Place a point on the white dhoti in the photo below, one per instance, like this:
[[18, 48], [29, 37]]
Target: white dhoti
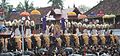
[[17, 32], [28, 32]]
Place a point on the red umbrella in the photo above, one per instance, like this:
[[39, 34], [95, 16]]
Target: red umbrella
[[82, 16], [100, 13], [24, 14]]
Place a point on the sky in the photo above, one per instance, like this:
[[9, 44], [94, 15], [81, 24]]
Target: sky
[[70, 3]]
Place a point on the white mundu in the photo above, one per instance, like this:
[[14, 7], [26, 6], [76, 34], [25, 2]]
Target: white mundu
[[28, 32], [47, 30], [17, 32], [88, 31], [94, 31]]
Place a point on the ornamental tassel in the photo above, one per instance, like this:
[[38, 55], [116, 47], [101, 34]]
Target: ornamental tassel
[[67, 38], [37, 38], [94, 38], [59, 41], [103, 39], [18, 41], [47, 41], [76, 40], [85, 37], [28, 40], [112, 38]]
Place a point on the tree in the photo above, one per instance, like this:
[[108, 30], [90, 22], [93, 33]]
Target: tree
[[25, 6], [6, 7], [56, 3], [4, 4], [83, 8]]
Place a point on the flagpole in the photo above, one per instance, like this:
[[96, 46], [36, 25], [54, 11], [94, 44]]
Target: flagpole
[[22, 38]]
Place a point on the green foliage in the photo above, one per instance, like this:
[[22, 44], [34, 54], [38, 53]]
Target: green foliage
[[56, 3], [83, 8], [25, 6], [6, 7]]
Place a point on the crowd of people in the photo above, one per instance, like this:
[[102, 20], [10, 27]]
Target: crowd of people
[[82, 38]]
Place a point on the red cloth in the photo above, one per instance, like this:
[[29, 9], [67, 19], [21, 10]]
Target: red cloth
[[85, 51]]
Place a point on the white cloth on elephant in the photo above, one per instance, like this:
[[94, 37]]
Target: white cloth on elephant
[[28, 32], [17, 32]]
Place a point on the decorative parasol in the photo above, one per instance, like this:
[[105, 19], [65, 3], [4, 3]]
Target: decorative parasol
[[100, 13], [81, 16], [109, 16], [24, 13], [71, 14], [112, 16], [106, 16], [35, 12]]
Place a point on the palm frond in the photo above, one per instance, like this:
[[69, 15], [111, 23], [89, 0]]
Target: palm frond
[[50, 1], [56, 3], [3, 1], [25, 6]]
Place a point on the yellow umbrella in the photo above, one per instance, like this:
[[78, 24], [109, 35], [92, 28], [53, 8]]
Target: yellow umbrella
[[106, 16], [71, 14], [112, 16], [109, 16], [35, 12]]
